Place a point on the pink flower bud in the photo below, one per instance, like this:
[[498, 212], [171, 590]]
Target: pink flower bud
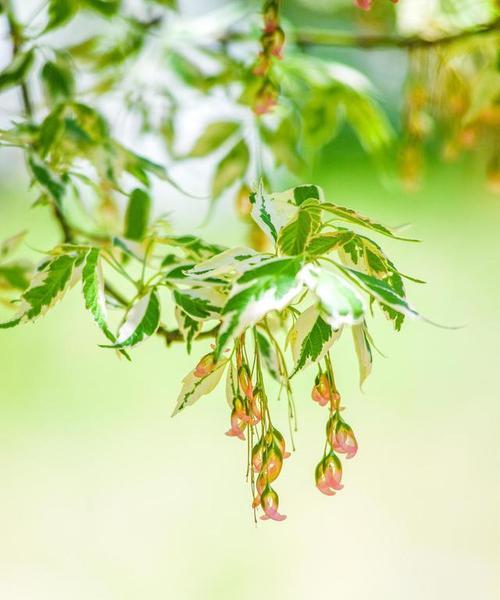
[[257, 456], [364, 4], [237, 425], [272, 462], [280, 440], [341, 437], [322, 392], [245, 382], [329, 475], [265, 99], [269, 503], [205, 366]]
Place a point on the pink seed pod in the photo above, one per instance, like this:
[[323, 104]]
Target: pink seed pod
[[269, 503]]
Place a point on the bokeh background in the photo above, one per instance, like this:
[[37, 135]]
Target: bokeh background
[[105, 497]]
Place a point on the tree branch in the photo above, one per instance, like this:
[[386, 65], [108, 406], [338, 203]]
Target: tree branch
[[315, 37]]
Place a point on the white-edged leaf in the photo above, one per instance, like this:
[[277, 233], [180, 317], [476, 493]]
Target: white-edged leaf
[[311, 337], [194, 387], [268, 353], [381, 291], [273, 211], [141, 322], [294, 237], [93, 291], [190, 328], [47, 287], [339, 302], [200, 303], [363, 351], [230, 262], [266, 287]]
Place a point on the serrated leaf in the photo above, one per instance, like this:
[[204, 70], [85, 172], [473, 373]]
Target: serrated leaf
[[142, 321], [325, 243], [310, 338], [14, 275], [214, 135], [50, 183], [47, 287], [270, 286], [363, 351], [339, 301], [194, 387], [351, 216], [227, 263], [381, 291], [200, 303], [231, 168], [190, 328], [137, 215], [294, 237], [93, 291], [17, 71], [193, 247], [273, 211]]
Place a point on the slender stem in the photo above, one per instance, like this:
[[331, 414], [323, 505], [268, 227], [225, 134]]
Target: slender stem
[[315, 37], [16, 37]]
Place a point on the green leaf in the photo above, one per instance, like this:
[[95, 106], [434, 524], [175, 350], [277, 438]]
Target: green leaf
[[17, 71], [60, 12], [273, 211], [47, 287], [50, 183], [137, 216], [194, 247], [93, 291], [310, 338], [231, 168], [363, 351], [227, 263], [339, 302], [201, 303], [213, 137], [351, 216], [189, 327], [58, 81], [381, 291], [195, 387], [323, 244], [107, 8], [142, 321], [10, 245], [269, 286], [294, 237], [15, 275]]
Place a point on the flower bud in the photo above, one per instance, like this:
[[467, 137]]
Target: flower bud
[[237, 425], [257, 456], [322, 392], [205, 366], [280, 440], [272, 462], [269, 502], [341, 437], [245, 382], [329, 475], [265, 99]]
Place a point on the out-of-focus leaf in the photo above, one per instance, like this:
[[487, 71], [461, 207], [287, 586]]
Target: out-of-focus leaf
[[212, 138], [17, 71], [231, 168], [137, 216], [58, 80]]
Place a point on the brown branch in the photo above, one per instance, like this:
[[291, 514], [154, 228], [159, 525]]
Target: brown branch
[[315, 37]]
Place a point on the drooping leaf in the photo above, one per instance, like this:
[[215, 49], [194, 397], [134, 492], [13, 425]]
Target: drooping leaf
[[194, 247], [189, 327], [266, 287], [137, 215], [351, 216], [50, 183], [195, 387], [310, 338], [213, 137], [363, 351], [268, 353], [339, 301], [142, 321], [47, 287], [227, 263], [93, 291], [231, 168], [381, 291], [17, 71]]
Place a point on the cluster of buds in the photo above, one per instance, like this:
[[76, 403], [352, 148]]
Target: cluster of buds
[[367, 4], [266, 445], [272, 42], [339, 435]]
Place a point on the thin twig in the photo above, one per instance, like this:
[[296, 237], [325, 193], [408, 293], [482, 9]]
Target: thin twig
[[316, 37]]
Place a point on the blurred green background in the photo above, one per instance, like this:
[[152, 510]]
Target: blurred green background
[[105, 497]]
